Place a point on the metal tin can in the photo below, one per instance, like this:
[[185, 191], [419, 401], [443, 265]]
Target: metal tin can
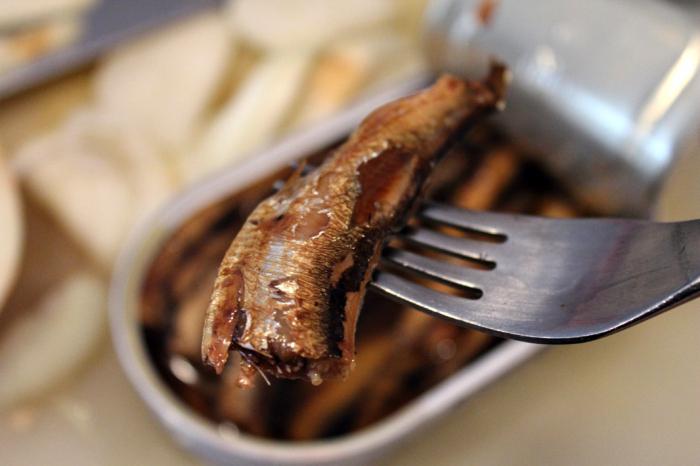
[[606, 90], [222, 444]]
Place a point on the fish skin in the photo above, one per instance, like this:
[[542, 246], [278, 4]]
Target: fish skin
[[290, 286]]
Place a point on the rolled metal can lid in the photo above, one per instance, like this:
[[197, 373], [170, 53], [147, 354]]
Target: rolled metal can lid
[[600, 90]]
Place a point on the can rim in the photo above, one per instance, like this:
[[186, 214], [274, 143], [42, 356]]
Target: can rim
[[223, 445]]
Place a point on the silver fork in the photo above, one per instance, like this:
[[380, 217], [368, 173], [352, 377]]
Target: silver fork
[[547, 280]]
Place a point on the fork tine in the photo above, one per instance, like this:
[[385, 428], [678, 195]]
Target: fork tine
[[450, 273], [475, 250], [443, 305], [482, 222]]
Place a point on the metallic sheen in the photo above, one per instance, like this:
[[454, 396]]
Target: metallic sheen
[[605, 91], [554, 281]]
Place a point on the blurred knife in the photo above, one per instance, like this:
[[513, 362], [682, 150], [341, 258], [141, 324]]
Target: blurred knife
[[109, 23]]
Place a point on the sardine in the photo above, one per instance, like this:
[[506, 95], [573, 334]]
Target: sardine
[[290, 287]]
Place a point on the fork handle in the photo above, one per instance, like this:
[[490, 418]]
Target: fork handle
[[689, 255]]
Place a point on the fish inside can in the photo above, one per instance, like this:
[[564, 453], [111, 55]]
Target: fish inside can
[[401, 353]]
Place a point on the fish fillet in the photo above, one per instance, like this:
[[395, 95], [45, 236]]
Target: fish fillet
[[290, 287]]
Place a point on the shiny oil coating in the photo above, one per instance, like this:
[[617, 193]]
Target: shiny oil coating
[[291, 284]]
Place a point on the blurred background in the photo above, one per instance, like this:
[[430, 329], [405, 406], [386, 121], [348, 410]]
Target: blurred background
[[110, 125]]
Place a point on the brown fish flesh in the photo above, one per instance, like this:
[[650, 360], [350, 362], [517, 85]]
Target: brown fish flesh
[[290, 287]]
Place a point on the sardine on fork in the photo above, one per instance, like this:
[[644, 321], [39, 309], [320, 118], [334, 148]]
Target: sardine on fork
[[291, 284]]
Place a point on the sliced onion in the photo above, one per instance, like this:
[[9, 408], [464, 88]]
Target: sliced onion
[[97, 175], [47, 343], [11, 231], [254, 113], [285, 24], [164, 82]]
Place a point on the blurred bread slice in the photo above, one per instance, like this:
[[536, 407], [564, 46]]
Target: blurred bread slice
[[165, 81], [285, 24], [34, 41], [254, 112], [11, 231], [97, 175], [45, 344]]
